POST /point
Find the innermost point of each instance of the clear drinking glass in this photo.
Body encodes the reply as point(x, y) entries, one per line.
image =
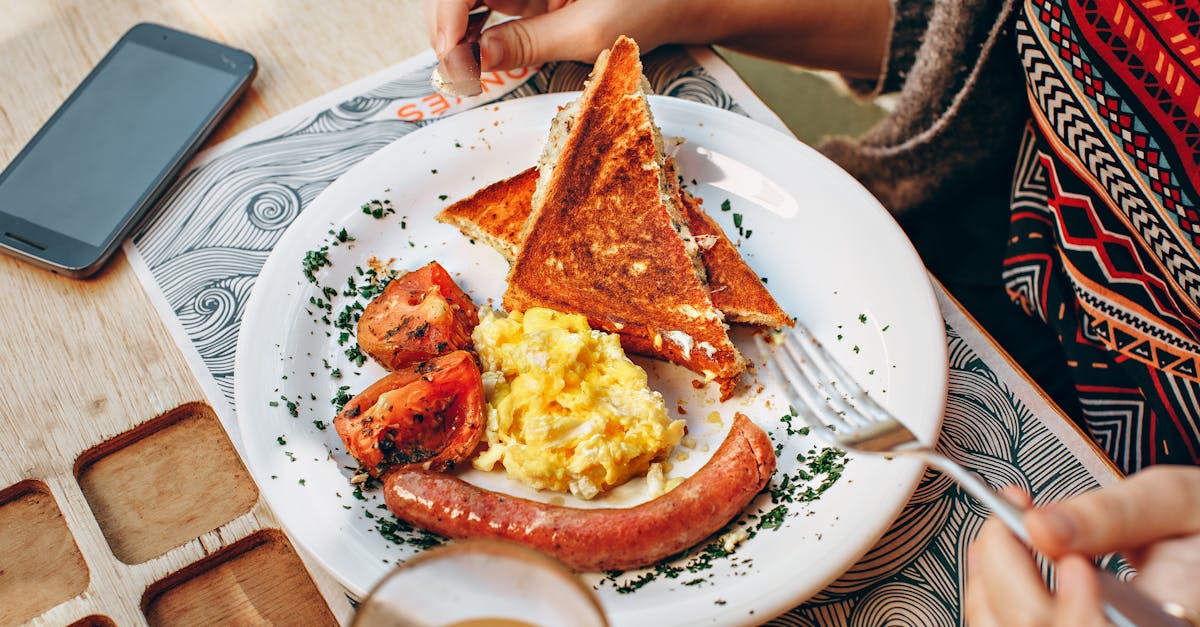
point(480, 583)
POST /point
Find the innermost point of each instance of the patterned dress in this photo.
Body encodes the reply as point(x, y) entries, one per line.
point(1105, 227)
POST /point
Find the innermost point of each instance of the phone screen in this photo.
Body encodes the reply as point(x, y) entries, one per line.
point(115, 142)
point(91, 167)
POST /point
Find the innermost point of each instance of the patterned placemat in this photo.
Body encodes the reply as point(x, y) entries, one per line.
point(200, 256)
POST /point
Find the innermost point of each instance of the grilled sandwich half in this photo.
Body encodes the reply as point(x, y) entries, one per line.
point(606, 236)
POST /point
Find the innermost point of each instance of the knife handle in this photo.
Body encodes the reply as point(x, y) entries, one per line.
point(1126, 606)
point(475, 21)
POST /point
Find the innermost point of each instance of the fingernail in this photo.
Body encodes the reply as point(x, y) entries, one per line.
point(1059, 523)
point(491, 51)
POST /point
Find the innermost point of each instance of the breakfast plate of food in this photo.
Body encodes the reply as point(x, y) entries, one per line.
point(451, 343)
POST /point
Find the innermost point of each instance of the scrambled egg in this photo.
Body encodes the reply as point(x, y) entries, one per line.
point(567, 410)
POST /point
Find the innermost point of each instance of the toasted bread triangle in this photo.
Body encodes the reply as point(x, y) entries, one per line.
point(604, 237)
point(496, 215)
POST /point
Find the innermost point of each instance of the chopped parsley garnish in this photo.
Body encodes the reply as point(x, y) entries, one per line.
point(725, 206)
point(399, 532)
point(737, 223)
point(774, 518)
point(356, 356)
point(342, 397)
point(816, 472)
point(378, 208)
point(636, 583)
point(315, 260)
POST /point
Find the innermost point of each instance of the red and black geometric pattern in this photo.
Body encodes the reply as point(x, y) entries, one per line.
point(1105, 235)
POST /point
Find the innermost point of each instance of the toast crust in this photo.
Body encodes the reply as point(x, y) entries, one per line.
point(611, 244)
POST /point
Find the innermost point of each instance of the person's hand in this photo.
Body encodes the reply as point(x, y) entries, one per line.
point(848, 35)
point(1153, 519)
point(556, 29)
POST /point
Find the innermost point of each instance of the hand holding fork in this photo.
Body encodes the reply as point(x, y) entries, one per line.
point(839, 411)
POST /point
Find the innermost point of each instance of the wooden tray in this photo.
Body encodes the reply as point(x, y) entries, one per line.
point(159, 525)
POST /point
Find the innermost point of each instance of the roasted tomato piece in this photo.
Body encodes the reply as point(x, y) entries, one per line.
point(419, 315)
point(431, 414)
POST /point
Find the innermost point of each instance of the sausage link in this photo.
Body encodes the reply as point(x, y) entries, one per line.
point(592, 540)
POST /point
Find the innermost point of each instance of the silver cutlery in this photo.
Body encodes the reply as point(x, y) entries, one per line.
point(457, 72)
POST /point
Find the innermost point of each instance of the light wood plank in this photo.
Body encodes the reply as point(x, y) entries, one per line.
point(86, 361)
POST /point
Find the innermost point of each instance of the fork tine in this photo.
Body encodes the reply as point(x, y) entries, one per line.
point(863, 406)
point(802, 391)
point(807, 356)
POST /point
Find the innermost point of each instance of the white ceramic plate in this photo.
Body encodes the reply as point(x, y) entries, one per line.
point(832, 256)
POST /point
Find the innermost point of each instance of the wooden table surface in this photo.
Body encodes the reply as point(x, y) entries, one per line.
point(84, 362)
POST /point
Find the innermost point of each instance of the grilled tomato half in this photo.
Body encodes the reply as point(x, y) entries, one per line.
point(419, 315)
point(430, 413)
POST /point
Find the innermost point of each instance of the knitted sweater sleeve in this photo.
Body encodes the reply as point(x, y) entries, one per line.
point(960, 103)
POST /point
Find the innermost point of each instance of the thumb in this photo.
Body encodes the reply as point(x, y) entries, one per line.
point(1158, 503)
point(569, 33)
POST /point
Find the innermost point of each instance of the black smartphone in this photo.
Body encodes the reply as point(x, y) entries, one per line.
point(106, 156)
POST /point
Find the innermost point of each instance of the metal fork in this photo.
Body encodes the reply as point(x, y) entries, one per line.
point(838, 410)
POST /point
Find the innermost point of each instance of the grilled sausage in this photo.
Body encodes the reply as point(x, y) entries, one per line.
point(591, 540)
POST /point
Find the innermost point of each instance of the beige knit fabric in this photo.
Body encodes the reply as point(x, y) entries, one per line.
point(960, 109)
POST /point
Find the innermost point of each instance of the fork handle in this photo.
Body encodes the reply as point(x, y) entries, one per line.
point(1009, 514)
point(1124, 605)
